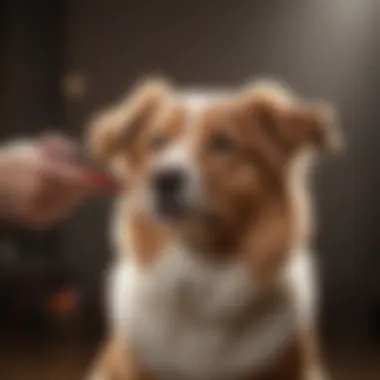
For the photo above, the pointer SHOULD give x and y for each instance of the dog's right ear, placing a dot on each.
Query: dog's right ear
(115, 130)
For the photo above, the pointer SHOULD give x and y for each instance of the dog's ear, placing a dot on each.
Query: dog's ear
(313, 124)
(116, 129)
(285, 124)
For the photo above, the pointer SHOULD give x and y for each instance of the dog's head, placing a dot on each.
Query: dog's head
(205, 162)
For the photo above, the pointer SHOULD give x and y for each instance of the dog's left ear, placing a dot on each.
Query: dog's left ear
(313, 124)
(285, 124)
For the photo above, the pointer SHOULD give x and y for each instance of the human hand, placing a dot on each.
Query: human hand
(42, 180)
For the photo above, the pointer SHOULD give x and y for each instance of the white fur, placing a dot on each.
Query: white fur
(160, 307)
(301, 281)
(300, 276)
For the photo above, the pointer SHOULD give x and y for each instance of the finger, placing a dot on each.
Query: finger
(82, 177)
(58, 148)
(55, 203)
(63, 172)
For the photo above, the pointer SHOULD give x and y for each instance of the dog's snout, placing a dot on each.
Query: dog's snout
(169, 182)
(169, 189)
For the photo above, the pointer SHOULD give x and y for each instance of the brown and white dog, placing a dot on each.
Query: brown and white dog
(213, 279)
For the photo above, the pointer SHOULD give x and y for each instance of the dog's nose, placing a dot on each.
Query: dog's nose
(169, 188)
(169, 182)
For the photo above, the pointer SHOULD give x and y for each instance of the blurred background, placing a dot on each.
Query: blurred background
(62, 60)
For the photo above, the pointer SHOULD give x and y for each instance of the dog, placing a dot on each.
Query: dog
(214, 277)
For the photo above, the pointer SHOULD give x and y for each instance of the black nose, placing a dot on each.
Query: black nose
(169, 182)
(169, 186)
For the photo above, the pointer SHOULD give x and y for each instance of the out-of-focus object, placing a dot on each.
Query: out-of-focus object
(74, 85)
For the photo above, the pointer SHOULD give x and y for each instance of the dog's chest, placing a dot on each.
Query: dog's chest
(192, 320)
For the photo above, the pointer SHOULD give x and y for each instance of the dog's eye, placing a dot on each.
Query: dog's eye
(222, 144)
(157, 143)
